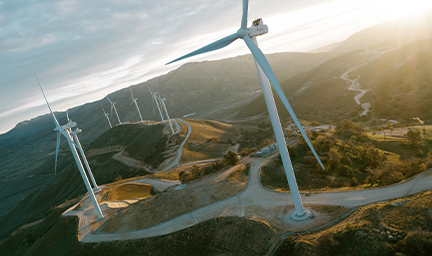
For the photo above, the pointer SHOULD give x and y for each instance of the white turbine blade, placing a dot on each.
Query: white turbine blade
(150, 90)
(109, 100)
(67, 115)
(265, 66)
(154, 112)
(245, 14)
(131, 92)
(66, 135)
(132, 101)
(211, 47)
(55, 119)
(57, 149)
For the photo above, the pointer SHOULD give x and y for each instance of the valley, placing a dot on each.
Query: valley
(215, 184)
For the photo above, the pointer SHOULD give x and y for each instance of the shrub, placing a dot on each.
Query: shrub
(419, 153)
(354, 182)
(231, 158)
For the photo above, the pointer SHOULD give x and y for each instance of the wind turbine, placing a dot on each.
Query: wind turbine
(106, 115)
(65, 130)
(397, 33)
(166, 112)
(427, 22)
(84, 158)
(113, 106)
(156, 100)
(364, 40)
(265, 74)
(136, 105)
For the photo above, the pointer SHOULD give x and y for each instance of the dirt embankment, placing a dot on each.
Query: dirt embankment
(173, 203)
(397, 227)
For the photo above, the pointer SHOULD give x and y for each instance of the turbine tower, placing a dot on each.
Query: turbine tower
(106, 115)
(397, 33)
(266, 75)
(65, 131)
(166, 112)
(156, 100)
(364, 40)
(84, 158)
(136, 105)
(115, 110)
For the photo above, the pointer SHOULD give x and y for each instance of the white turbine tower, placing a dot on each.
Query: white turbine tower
(115, 110)
(134, 100)
(166, 112)
(156, 100)
(427, 22)
(397, 33)
(106, 115)
(265, 74)
(78, 144)
(364, 40)
(65, 130)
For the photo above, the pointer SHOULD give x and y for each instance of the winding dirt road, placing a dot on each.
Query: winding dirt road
(255, 201)
(355, 85)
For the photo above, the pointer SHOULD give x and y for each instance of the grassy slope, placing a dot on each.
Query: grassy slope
(364, 232)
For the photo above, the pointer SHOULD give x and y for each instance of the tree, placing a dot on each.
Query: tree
(231, 158)
(414, 137)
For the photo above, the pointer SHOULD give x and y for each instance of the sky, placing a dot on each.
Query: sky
(84, 50)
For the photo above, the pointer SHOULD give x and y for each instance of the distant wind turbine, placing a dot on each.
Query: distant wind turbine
(134, 100)
(156, 100)
(265, 74)
(427, 22)
(397, 33)
(65, 130)
(364, 40)
(107, 118)
(166, 112)
(115, 110)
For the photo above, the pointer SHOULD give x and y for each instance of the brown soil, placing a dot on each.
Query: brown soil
(172, 203)
(397, 227)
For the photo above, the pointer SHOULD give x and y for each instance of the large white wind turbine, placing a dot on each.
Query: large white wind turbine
(166, 112)
(134, 100)
(65, 130)
(156, 100)
(266, 74)
(106, 115)
(115, 110)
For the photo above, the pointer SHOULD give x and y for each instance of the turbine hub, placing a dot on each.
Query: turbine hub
(242, 32)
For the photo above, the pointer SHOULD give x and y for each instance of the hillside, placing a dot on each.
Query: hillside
(103, 157)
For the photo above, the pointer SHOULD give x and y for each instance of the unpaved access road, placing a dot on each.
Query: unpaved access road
(255, 202)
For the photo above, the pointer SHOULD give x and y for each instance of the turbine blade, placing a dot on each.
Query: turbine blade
(57, 149)
(154, 112)
(66, 135)
(211, 47)
(265, 66)
(55, 119)
(131, 92)
(109, 100)
(67, 115)
(245, 14)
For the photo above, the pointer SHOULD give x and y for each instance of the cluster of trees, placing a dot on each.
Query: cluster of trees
(200, 171)
(347, 127)
(342, 158)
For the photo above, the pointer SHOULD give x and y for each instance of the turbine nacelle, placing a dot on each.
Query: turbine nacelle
(76, 131)
(258, 28)
(70, 124)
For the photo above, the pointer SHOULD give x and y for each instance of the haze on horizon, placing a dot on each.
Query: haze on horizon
(83, 51)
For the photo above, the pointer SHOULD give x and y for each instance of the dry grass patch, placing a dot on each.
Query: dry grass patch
(131, 191)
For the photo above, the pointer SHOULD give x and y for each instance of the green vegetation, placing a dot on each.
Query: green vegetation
(351, 158)
(202, 170)
(399, 227)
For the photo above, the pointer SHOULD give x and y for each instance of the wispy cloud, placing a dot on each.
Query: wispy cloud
(83, 50)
